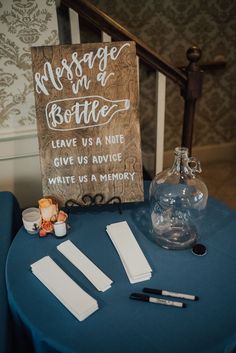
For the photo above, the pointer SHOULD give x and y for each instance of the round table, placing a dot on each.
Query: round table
(120, 324)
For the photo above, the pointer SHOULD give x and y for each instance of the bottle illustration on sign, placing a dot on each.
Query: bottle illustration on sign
(83, 112)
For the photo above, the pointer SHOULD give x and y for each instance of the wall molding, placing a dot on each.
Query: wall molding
(19, 146)
(208, 154)
(19, 133)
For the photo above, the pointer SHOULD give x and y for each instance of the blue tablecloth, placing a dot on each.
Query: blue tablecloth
(10, 222)
(122, 325)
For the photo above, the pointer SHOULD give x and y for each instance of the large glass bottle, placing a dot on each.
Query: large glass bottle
(177, 197)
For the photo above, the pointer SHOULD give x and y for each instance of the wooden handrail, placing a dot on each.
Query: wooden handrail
(188, 79)
(105, 23)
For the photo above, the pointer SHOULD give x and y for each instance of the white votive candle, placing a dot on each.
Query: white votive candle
(31, 219)
(60, 229)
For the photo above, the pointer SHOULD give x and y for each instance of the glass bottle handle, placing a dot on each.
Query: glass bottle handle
(194, 165)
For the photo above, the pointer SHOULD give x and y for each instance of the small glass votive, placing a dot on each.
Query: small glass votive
(60, 229)
(31, 218)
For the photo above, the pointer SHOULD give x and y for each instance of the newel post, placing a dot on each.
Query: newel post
(191, 93)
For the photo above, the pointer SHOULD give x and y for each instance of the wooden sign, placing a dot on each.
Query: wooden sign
(87, 119)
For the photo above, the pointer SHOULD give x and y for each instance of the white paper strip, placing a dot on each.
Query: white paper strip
(132, 257)
(69, 293)
(98, 278)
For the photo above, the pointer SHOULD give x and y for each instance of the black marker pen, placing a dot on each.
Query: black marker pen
(147, 298)
(170, 294)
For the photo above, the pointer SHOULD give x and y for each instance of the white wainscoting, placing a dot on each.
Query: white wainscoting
(208, 153)
(20, 167)
(205, 154)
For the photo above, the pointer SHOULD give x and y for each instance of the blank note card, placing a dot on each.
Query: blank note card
(69, 293)
(131, 255)
(98, 278)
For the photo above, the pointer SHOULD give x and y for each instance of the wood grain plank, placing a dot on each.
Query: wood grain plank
(86, 99)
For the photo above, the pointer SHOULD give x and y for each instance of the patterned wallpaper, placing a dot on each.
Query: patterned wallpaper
(23, 23)
(170, 27)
